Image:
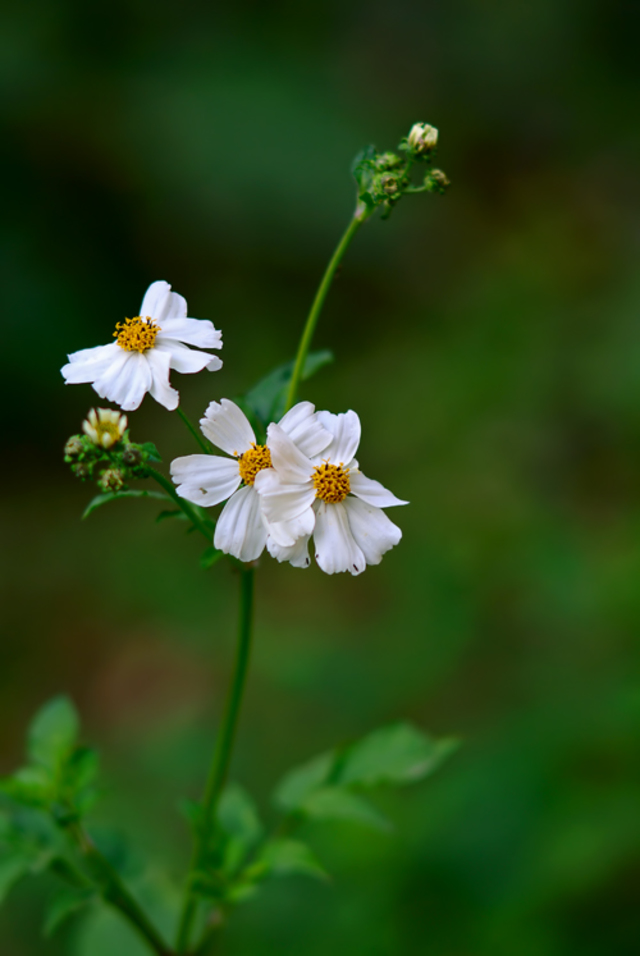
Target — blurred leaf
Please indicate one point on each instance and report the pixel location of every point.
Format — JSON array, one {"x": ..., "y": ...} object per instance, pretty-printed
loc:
[
  {"x": 283, "y": 857},
  {"x": 298, "y": 783},
  {"x": 100, "y": 500},
  {"x": 151, "y": 452},
  {"x": 267, "y": 398},
  {"x": 333, "y": 803},
  {"x": 239, "y": 819},
  {"x": 53, "y": 733},
  {"x": 397, "y": 754},
  {"x": 13, "y": 866},
  {"x": 64, "y": 905},
  {"x": 210, "y": 556},
  {"x": 32, "y": 786},
  {"x": 177, "y": 513}
]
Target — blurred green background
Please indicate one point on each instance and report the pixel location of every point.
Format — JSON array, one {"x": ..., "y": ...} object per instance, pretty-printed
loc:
[{"x": 490, "y": 342}]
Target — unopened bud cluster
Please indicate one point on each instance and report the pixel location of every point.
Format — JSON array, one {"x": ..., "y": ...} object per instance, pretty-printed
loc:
[
  {"x": 104, "y": 453},
  {"x": 383, "y": 178}
]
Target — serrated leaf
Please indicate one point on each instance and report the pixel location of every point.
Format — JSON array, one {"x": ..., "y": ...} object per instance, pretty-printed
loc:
[
  {"x": 333, "y": 803},
  {"x": 13, "y": 866},
  {"x": 267, "y": 398},
  {"x": 399, "y": 753},
  {"x": 100, "y": 500},
  {"x": 283, "y": 857},
  {"x": 210, "y": 556},
  {"x": 64, "y": 905},
  {"x": 298, "y": 783},
  {"x": 53, "y": 733}
]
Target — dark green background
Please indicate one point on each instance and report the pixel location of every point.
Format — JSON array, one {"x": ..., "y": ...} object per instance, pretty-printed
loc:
[{"x": 490, "y": 342}]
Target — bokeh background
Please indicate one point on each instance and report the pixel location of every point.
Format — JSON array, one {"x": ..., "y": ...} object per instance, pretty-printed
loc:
[{"x": 490, "y": 342}]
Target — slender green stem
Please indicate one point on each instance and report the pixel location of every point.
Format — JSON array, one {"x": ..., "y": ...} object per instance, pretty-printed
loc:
[
  {"x": 194, "y": 431},
  {"x": 115, "y": 892},
  {"x": 182, "y": 503},
  {"x": 360, "y": 215},
  {"x": 222, "y": 754}
]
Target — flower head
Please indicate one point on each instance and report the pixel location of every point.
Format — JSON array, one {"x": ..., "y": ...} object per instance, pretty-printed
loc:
[
  {"x": 147, "y": 347},
  {"x": 207, "y": 480},
  {"x": 105, "y": 426},
  {"x": 422, "y": 138},
  {"x": 329, "y": 494}
]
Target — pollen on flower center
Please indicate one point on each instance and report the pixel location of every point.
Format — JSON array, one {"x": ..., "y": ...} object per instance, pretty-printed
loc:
[
  {"x": 331, "y": 482},
  {"x": 254, "y": 460},
  {"x": 137, "y": 334}
]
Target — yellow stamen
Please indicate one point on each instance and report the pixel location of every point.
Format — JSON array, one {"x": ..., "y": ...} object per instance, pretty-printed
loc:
[
  {"x": 136, "y": 335},
  {"x": 254, "y": 460},
  {"x": 331, "y": 482}
]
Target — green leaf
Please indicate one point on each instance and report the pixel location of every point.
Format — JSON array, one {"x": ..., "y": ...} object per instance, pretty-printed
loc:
[
  {"x": 238, "y": 815},
  {"x": 298, "y": 783},
  {"x": 64, "y": 905},
  {"x": 333, "y": 803},
  {"x": 399, "y": 753},
  {"x": 100, "y": 500},
  {"x": 210, "y": 556},
  {"x": 13, "y": 866},
  {"x": 150, "y": 451},
  {"x": 52, "y": 734},
  {"x": 267, "y": 398},
  {"x": 283, "y": 857},
  {"x": 176, "y": 513},
  {"x": 31, "y": 786}
]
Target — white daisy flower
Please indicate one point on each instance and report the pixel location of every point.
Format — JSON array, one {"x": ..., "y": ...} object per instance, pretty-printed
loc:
[
  {"x": 330, "y": 493},
  {"x": 104, "y": 426},
  {"x": 146, "y": 348},
  {"x": 209, "y": 479}
]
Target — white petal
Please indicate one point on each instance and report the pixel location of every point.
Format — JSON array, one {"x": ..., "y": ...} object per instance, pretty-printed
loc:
[
  {"x": 176, "y": 308},
  {"x": 215, "y": 363},
  {"x": 205, "y": 479},
  {"x": 346, "y": 430},
  {"x": 286, "y": 533},
  {"x": 303, "y": 428},
  {"x": 372, "y": 491},
  {"x": 292, "y": 466},
  {"x": 282, "y": 501},
  {"x": 199, "y": 332},
  {"x": 160, "y": 389},
  {"x": 126, "y": 381},
  {"x": 156, "y": 301},
  {"x": 336, "y": 549},
  {"x": 181, "y": 358},
  {"x": 228, "y": 427},
  {"x": 373, "y": 532},
  {"x": 240, "y": 530},
  {"x": 297, "y": 555},
  {"x": 87, "y": 364}
]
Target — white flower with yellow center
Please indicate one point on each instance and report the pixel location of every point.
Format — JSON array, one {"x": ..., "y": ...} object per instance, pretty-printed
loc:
[
  {"x": 146, "y": 348},
  {"x": 207, "y": 480},
  {"x": 330, "y": 493},
  {"x": 105, "y": 426}
]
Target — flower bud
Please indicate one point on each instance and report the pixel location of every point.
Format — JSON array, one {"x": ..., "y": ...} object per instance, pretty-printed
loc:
[
  {"x": 81, "y": 470},
  {"x": 388, "y": 161},
  {"x": 422, "y": 138},
  {"x": 437, "y": 182},
  {"x": 104, "y": 426},
  {"x": 131, "y": 455},
  {"x": 73, "y": 447},
  {"x": 390, "y": 184},
  {"x": 111, "y": 480}
]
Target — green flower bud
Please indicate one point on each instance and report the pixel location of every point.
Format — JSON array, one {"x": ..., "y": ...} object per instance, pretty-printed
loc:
[
  {"x": 73, "y": 447},
  {"x": 81, "y": 470},
  {"x": 388, "y": 161},
  {"x": 111, "y": 480},
  {"x": 437, "y": 182},
  {"x": 422, "y": 138},
  {"x": 131, "y": 455},
  {"x": 390, "y": 184}
]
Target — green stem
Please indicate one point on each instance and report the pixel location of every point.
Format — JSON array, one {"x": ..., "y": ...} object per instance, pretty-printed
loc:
[
  {"x": 182, "y": 503},
  {"x": 194, "y": 431},
  {"x": 360, "y": 215},
  {"x": 222, "y": 754},
  {"x": 115, "y": 892}
]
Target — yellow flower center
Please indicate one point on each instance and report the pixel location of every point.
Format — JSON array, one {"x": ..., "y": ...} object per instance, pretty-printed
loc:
[
  {"x": 136, "y": 335},
  {"x": 256, "y": 459},
  {"x": 331, "y": 482},
  {"x": 108, "y": 434}
]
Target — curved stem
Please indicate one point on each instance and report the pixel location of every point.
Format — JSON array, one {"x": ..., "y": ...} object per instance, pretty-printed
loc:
[
  {"x": 360, "y": 215},
  {"x": 182, "y": 503},
  {"x": 194, "y": 431},
  {"x": 115, "y": 892},
  {"x": 222, "y": 754}
]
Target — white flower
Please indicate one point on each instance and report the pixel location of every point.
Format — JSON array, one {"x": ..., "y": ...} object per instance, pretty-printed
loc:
[
  {"x": 146, "y": 348},
  {"x": 422, "y": 137},
  {"x": 105, "y": 426},
  {"x": 209, "y": 479},
  {"x": 330, "y": 493}
]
